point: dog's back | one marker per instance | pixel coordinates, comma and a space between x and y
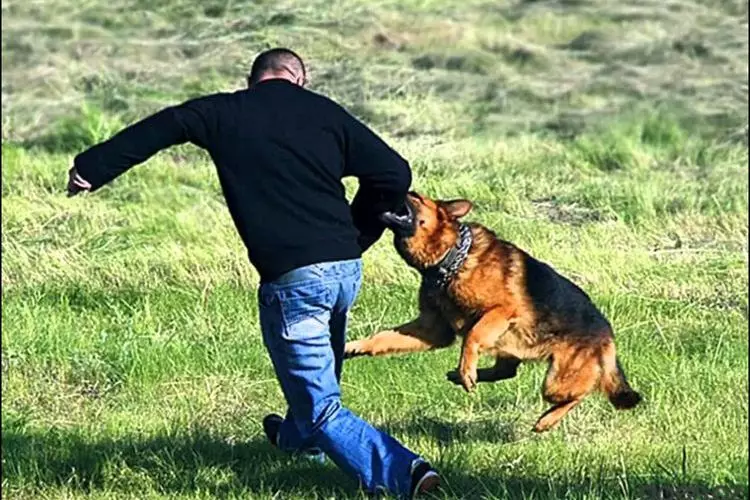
561, 306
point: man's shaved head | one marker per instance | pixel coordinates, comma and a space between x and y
278, 63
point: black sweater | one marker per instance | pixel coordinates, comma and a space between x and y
280, 152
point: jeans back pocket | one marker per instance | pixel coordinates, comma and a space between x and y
304, 310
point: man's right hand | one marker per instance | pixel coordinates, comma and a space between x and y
76, 183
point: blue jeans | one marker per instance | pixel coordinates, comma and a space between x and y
303, 318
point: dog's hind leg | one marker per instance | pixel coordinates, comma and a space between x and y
505, 368
422, 334
551, 417
572, 374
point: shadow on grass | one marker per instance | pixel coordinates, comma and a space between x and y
447, 433
168, 464
204, 463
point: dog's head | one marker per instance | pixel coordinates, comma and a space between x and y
424, 229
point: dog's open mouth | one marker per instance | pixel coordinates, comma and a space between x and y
401, 221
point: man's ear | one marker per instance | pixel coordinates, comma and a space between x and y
457, 208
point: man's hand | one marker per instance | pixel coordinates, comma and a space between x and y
76, 183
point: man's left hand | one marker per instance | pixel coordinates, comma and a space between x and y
76, 183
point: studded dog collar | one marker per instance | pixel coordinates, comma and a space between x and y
439, 276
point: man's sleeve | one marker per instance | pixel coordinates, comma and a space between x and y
192, 121
384, 180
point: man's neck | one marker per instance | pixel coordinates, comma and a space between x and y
276, 76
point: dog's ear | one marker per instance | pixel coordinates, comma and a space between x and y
457, 208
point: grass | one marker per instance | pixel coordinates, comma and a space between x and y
607, 138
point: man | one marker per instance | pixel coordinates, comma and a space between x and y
280, 153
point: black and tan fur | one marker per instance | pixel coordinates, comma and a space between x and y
505, 303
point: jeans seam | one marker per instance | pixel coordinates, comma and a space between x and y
324, 281
327, 280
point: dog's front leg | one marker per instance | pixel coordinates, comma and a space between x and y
482, 336
424, 333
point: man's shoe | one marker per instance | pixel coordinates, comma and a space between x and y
272, 425
424, 479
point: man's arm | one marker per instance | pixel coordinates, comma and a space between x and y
384, 180
192, 121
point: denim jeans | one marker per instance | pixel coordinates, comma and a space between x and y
303, 315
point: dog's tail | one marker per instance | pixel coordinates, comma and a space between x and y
613, 381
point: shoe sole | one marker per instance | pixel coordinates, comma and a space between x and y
429, 483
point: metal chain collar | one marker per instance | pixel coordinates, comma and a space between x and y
439, 276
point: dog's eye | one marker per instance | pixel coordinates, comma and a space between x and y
421, 222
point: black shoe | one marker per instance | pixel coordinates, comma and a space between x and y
424, 479
271, 425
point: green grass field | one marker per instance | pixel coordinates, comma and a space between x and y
606, 138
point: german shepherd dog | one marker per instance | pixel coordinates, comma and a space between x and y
503, 302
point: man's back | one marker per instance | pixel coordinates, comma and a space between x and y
281, 152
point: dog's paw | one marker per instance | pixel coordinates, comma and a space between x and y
546, 423
354, 349
542, 426
469, 381
465, 378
